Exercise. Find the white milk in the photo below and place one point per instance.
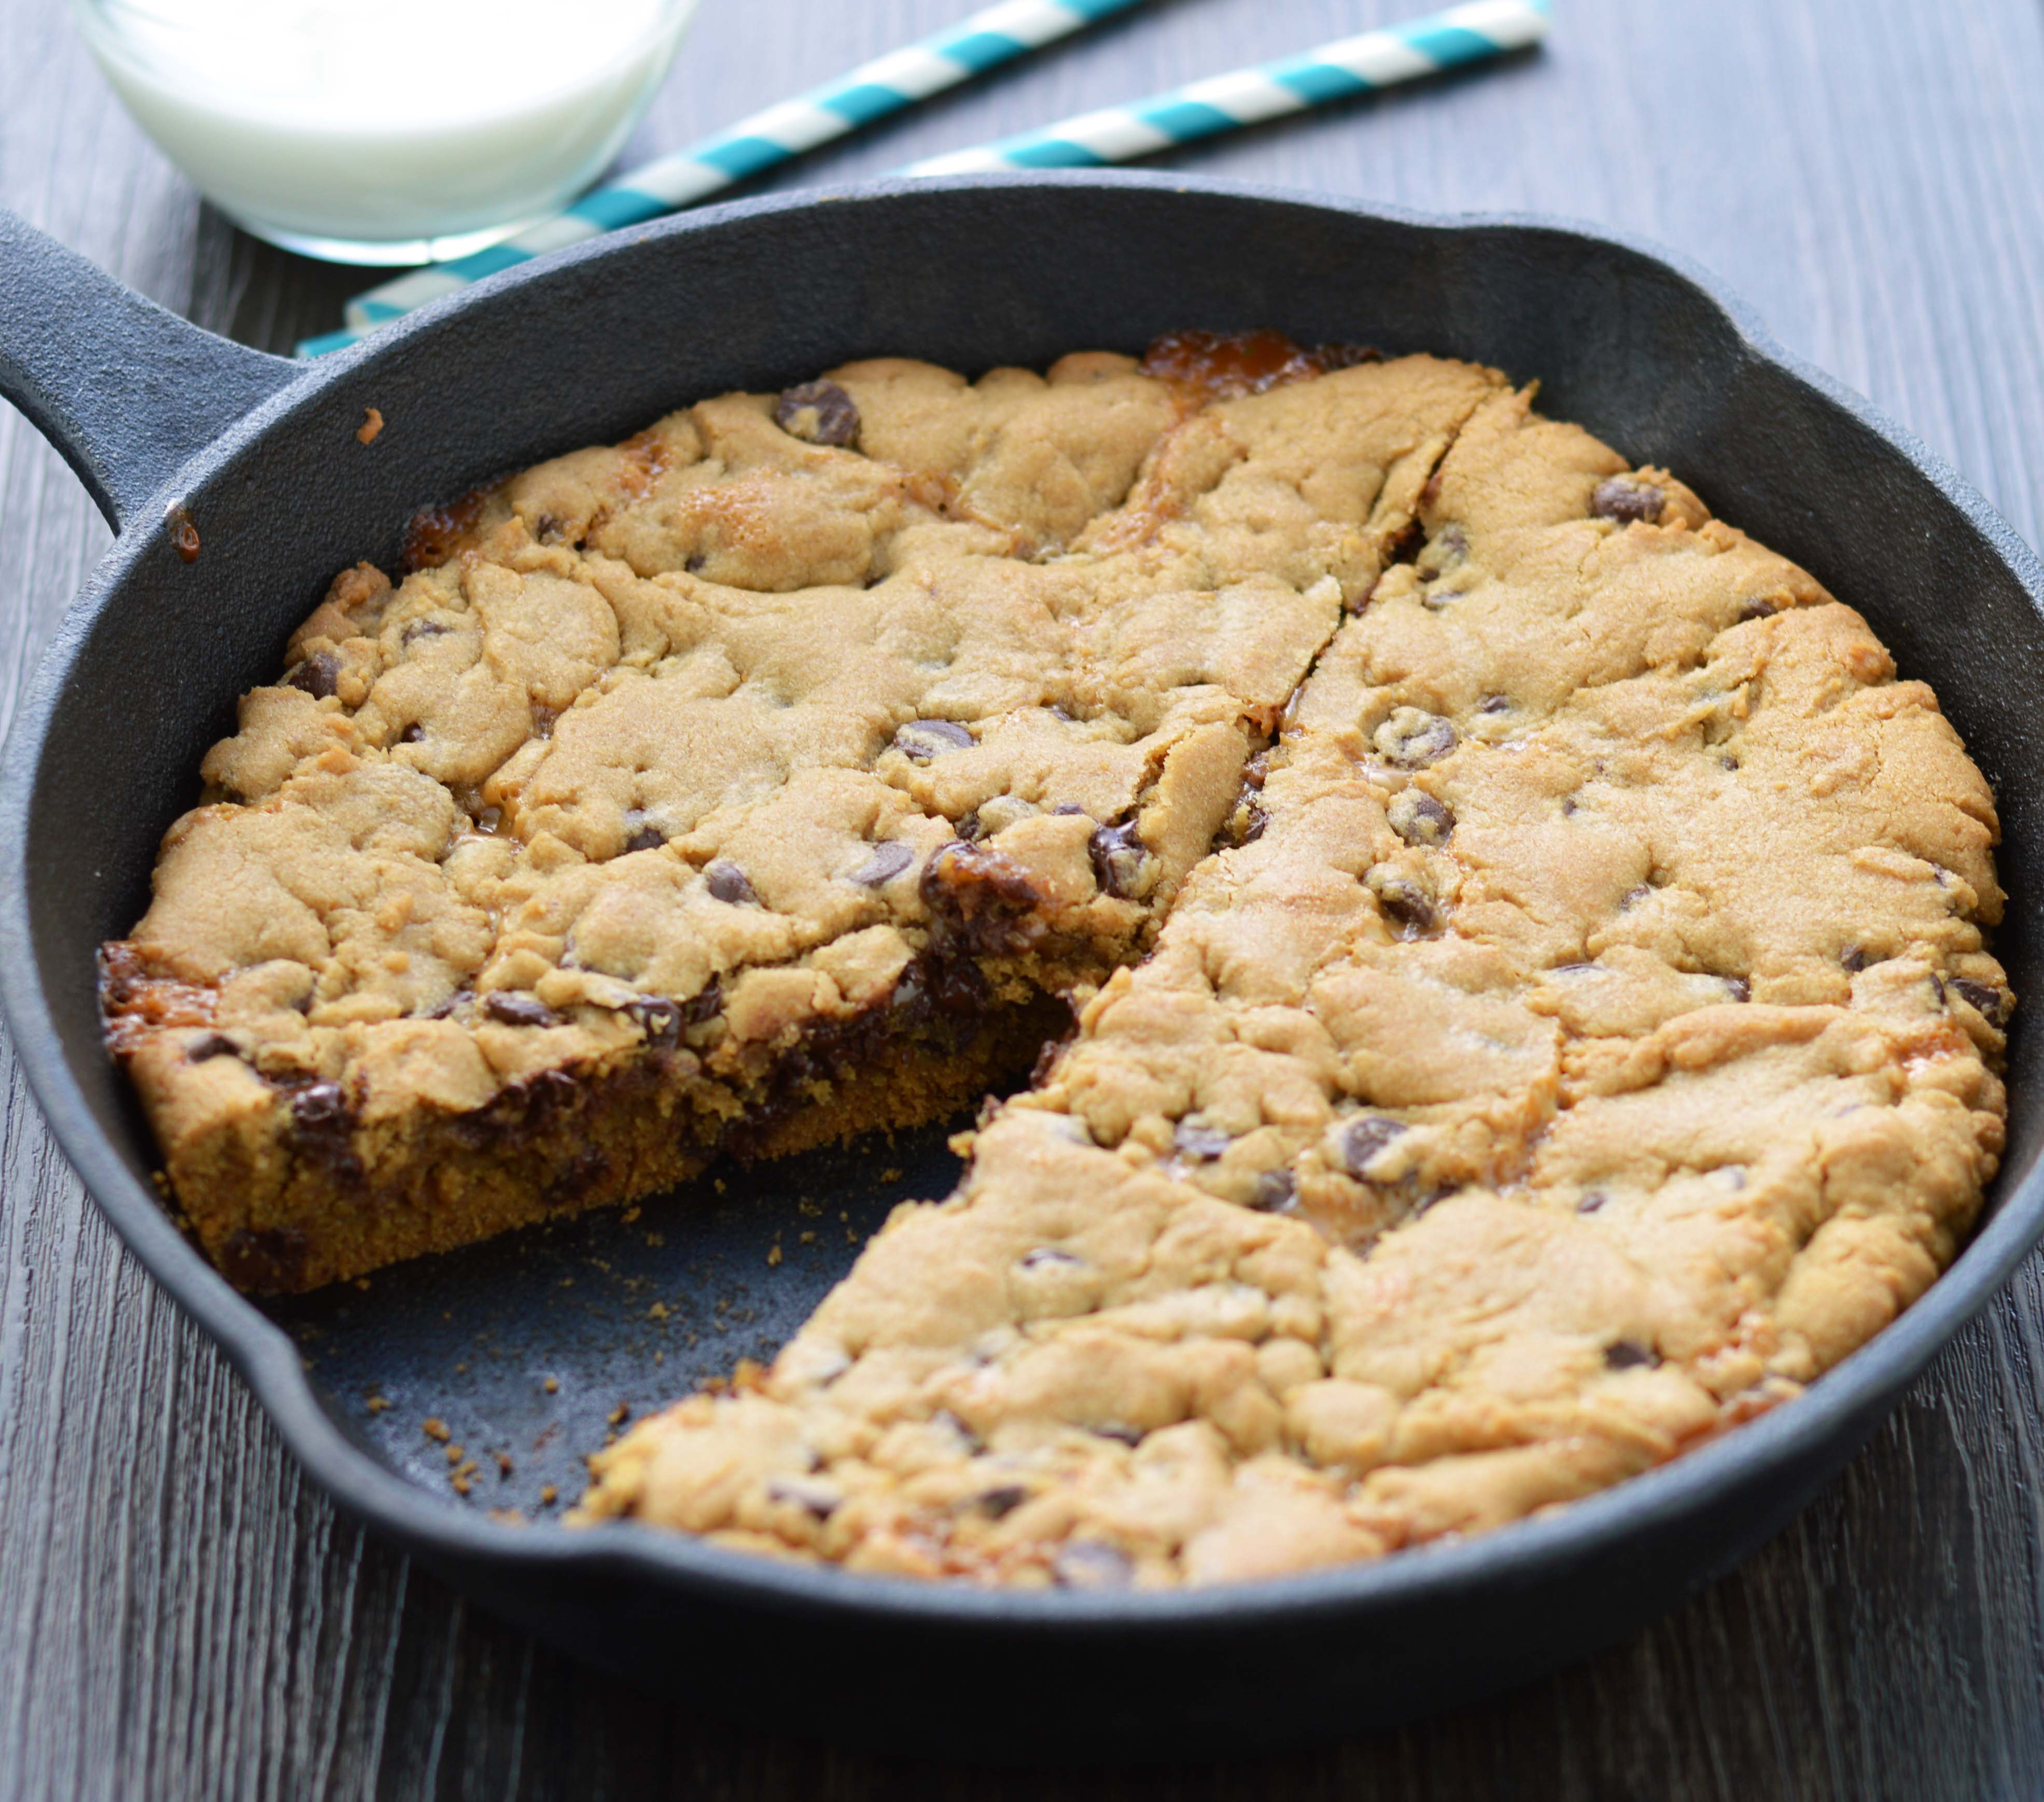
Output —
(379, 130)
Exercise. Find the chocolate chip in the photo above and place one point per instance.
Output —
(1120, 1434)
(1854, 959)
(1406, 545)
(319, 1105)
(515, 1009)
(1402, 900)
(574, 1182)
(454, 1003)
(1629, 1354)
(660, 1019)
(727, 882)
(323, 1124)
(317, 676)
(886, 862)
(818, 413)
(1738, 987)
(1276, 1191)
(920, 740)
(1091, 1564)
(1634, 895)
(1043, 1256)
(549, 1095)
(996, 1504)
(412, 734)
(1364, 1137)
(1420, 820)
(1332, 357)
(981, 899)
(1495, 703)
(1412, 738)
(1991, 1003)
(212, 1045)
(1757, 607)
(706, 1004)
(268, 1260)
(640, 833)
(1626, 498)
(1201, 1142)
(1592, 1200)
(1118, 858)
(1067, 808)
(424, 628)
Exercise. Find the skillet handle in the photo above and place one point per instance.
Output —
(127, 391)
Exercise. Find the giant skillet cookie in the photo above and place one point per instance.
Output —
(1526, 947)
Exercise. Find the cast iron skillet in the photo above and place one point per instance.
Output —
(164, 423)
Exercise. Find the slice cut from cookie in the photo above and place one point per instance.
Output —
(770, 778)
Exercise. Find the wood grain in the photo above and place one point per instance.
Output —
(180, 1615)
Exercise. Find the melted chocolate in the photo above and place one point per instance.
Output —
(1225, 363)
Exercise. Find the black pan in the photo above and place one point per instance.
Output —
(166, 425)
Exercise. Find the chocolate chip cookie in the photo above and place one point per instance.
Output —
(1515, 950)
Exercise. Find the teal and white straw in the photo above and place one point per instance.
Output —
(871, 91)
(1463, 34)
(1245, 96)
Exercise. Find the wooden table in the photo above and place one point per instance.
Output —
(181, 1615)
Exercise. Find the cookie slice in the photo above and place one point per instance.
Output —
(764, 780)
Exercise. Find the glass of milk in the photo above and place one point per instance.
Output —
(386, 131)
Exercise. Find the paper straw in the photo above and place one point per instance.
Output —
(871, 91)
(1463, 34)
(1334, 71)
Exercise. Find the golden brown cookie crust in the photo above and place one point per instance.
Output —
(1533, 1009)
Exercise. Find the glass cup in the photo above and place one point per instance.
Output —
(386, 131)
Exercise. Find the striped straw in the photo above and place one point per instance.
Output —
(1462, 34)
(1244, 96)
(871, 91)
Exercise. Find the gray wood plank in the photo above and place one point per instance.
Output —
(180, 1615)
